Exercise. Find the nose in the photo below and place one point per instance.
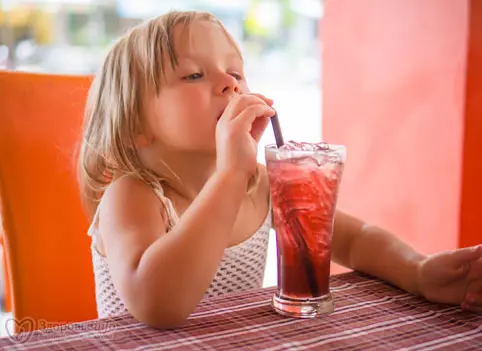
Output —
(227, 85)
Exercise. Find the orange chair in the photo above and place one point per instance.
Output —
(7, 302)
(44, 228)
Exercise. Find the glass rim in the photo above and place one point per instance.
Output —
(273, 148)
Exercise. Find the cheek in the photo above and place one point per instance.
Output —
(174, 104)
(190, 97)
(185, 105)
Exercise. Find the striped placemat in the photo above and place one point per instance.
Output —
(369, 315)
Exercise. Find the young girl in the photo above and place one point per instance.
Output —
(180, 209)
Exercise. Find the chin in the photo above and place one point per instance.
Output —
(211, 151)
(205, 150)
(210, 148)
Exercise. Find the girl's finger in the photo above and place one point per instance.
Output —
(241, 102)
(472, 308)
(258, 127)
(246, 118)
(264, 98)
(473, 299)
(466, 255)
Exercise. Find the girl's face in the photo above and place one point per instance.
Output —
(210, 72)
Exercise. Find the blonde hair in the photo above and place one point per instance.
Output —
(113, 114)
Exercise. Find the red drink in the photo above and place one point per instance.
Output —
(304, 183)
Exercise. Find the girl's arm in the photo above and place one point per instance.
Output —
(161, 277)
(375, 251)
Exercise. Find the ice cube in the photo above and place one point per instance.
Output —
(330, 170)
(308, 162)
(308, 147)
(304, 146)
(285, 153)
(321, 146)
(287, 147)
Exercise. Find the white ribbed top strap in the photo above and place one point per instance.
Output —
(171, 211)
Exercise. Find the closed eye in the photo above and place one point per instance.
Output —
(194, 76)
(237, 76)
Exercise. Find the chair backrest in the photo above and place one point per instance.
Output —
(44, 226)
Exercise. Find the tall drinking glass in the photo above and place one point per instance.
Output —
(304, 181)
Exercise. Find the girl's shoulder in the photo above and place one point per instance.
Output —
(129, 195)
(129, 187)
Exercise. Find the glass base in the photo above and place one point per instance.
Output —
(303, 308)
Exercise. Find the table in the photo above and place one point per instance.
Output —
(369, 315)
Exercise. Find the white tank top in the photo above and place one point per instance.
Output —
(241, 268)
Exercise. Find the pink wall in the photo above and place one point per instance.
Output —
(394, 75)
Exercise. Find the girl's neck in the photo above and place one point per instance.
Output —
(187, 172)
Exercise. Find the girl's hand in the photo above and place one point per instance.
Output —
(238, 132)
(453, 277)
